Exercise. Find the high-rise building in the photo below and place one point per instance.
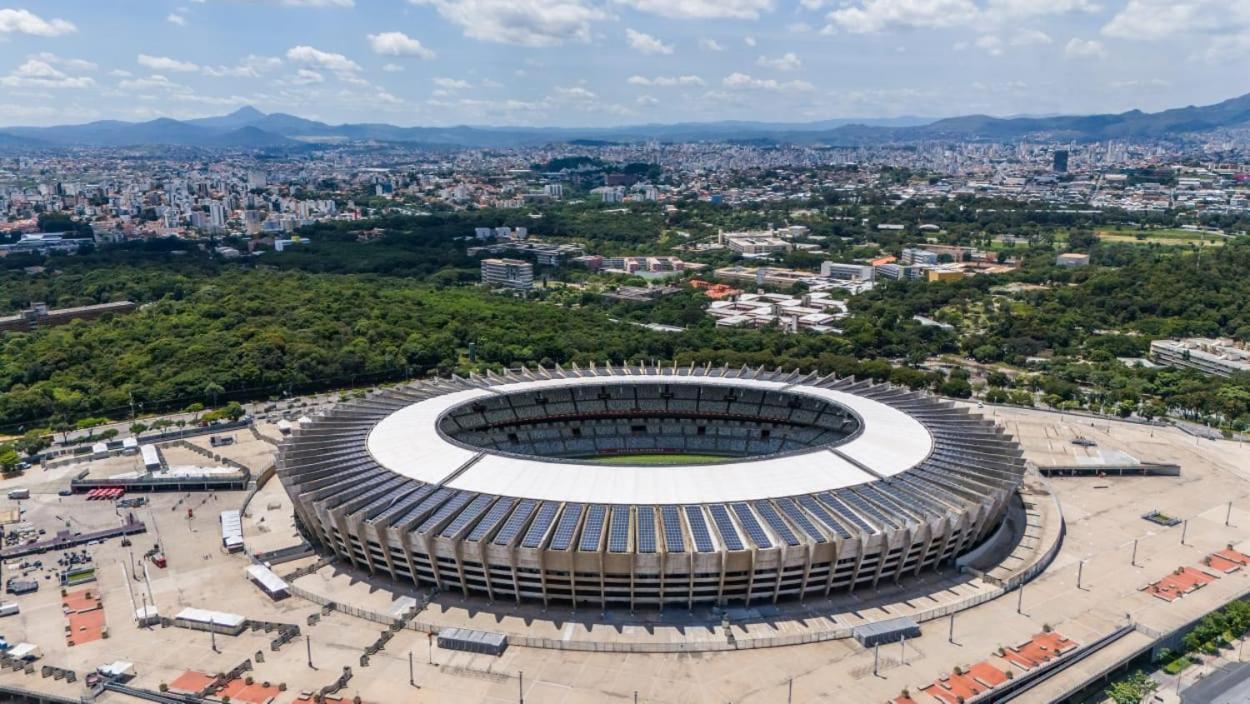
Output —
(1061, 161)
(508, 273)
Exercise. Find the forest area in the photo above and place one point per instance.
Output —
(346, 312)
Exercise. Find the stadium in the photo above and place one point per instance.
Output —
(649, 486)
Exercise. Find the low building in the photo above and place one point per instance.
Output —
(754, 243)
(39, 315)
(1072, 259)
(945, 275)
(217, 621)
(1216, 356)
(766, 275)
(919, 256)
(846, 272)
(508, 273)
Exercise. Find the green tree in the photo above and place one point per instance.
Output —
(1132, 690)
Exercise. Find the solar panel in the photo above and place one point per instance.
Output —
(863, 506)
(401, 506)
(515, 522)
(592, 532)
(542, 522)
(467, 516)
(779, 526)
(618, 529)
(813, 506)
(425, 507)
(646, 529)
(847, 513)
(724, 524)
(795, 514)
(492, 519)
(456, 503)
(752, 526)
(563, 537)
(699, 529)
(673, 541)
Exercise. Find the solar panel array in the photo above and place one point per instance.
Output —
(700, 531)
(725, 525)
(752, 526)
(673, 540)
(646, 529)
(618, 529)
(542, 522)
(592, 532)
(492, 519)
(515, 522)
(563, 536)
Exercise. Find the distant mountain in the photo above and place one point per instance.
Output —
(249, 128)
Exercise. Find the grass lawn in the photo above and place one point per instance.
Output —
(660, 459)
(1165, 236)
(1177, 665)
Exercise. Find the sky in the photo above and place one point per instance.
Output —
(614, 62)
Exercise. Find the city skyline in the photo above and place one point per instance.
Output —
(582, 63)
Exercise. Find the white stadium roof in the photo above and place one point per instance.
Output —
(889, 442)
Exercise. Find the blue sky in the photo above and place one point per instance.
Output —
(611, 62)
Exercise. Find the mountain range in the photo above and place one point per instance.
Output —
(249, 128)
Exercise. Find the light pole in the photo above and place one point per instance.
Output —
(1020, 600)
(412, 680)
(951, 637)
(520, 687)
(308, 646)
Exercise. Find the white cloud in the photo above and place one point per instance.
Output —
(393, 68)
(26, 22)
(1160, 19)
(575, 93)
(451, 83)
(252, 66)
(879, 15)
(702, 9)
(164, 63)
(647, 101)
(310, 56)
(175, 18)
(1022, 9)
(488, 83)
(710, 45)
(867, 16)
(520, 22)
(786, 62)
(153, 82)
(297, 3)
(742, 81)
(398, 44)
(1031, 37)
(812, 4)
(748, 40)
(36, 73)
(665, 81)
(305, 77)
(72, 64)
(989, 44)
(646, 44)
(1227, 49)
(1084, 49)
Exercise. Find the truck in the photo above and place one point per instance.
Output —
(9, 609)
(18, 494)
